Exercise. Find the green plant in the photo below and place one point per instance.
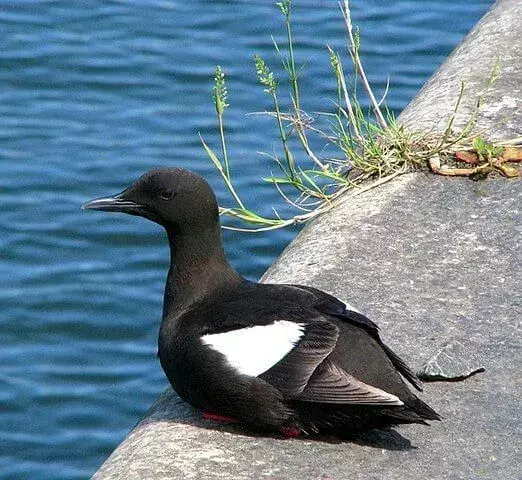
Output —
(372, 147)
(485, 150)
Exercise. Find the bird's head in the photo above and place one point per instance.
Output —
(175, 198)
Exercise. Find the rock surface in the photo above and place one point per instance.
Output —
(430, 259)
(455, 361)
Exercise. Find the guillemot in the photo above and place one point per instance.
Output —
(273, 357)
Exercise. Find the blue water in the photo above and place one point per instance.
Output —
(94, 93)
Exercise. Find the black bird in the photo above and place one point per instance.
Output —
(285, 358)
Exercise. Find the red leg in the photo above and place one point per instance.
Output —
(290, 432)
(218, 418)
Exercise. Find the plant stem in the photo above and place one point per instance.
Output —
(219, 167)
(284, 138)
(293, 73)
(223, 146)
(354, 52)
(349, 109)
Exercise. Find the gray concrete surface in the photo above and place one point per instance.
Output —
(494, 40)
(432, 260)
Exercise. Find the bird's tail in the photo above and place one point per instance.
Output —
(424, 410)
(414, 411)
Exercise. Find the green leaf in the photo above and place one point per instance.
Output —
(497, 151)
(310, 181)
(212, 155)
(479, 145)
(278, 180)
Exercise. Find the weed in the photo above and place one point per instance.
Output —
(373, 148)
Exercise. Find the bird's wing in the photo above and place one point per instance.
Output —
(292, 356)
(307, 374)
(329, 305)
(331, 384)
(284, 353)
(253, 350)
(290, 375)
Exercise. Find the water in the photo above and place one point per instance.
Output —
(91, 95)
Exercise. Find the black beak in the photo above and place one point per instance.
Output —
(114, 204)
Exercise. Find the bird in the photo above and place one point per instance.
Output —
(275, 358)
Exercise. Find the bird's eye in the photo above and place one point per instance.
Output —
(166, 194)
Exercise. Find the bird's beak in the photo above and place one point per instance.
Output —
(114, 204)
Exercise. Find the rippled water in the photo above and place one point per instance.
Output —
(91, 95)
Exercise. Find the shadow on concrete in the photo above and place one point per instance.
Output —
(387, 439)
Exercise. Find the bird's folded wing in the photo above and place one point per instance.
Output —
(331, 384)
(329, 305)
(291, 374)
(254, 350)
(307, 374)
(292, 357)
(357, 318)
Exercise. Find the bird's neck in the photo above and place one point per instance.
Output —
(198, 268)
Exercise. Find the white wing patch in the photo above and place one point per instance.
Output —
(254, 350)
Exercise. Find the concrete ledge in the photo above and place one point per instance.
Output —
(431, 260)
(447, 269)
(493, 40)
